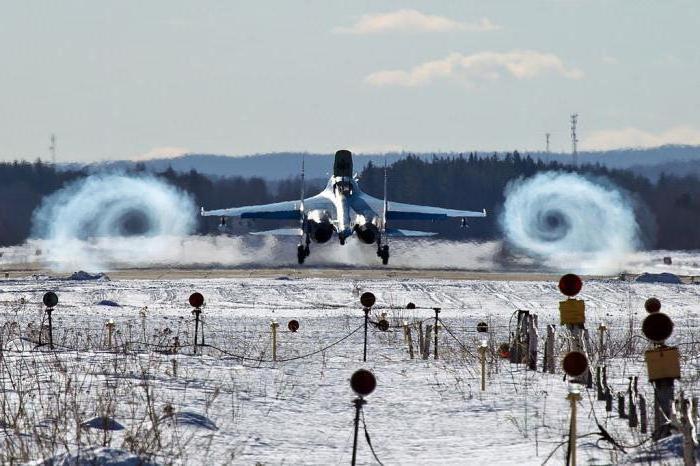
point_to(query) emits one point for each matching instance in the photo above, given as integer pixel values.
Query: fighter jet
(342, 209)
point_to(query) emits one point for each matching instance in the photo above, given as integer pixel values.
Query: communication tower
(547, 138)
(574, 140)
(52, 149)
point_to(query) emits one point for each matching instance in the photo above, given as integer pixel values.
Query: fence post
(426, 341)
(273, 327)
(663, 405)
(602, 350)
(408, 338)
(633, 421)
(532, 340)
(110, 330)
(435, 329)
(643, 420)
(549, 352)
(621, 406)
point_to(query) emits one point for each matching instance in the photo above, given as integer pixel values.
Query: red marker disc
(196, 299)
(570, 284)
(652, 305)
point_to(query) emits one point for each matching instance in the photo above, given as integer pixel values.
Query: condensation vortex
(553, 214)
(124, 214)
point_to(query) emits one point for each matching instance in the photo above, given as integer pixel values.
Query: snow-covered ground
(219, 408)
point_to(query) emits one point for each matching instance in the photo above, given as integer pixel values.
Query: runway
(349, 273)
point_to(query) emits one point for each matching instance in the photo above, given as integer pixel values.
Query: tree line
(667, 210)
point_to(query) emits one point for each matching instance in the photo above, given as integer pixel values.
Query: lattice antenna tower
(547, 135)
(574, 139)
(52, 149)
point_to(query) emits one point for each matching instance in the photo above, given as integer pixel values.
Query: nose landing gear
(383, 252)
(303, 251)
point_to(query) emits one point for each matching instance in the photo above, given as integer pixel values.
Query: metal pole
(196, 328)
(482, 350)
(358, 406)
(437, 311)
(573, 398)
(364, 356)
(48, 311)
(274, 325)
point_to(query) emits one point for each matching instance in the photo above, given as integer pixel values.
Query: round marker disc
(652, 305)
(410, 306)
(363, 382)
(383, 325)
(293, 325)
(482, 327)
(196, 299)
(367, 299)
(574, 363)
(570, 284)
(657, 326)
(50, 299)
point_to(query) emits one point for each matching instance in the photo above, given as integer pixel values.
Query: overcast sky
(130, 79)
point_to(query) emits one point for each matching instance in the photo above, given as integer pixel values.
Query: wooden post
(408, 338)
(273, 326)
(421, 339)
(608, 399)
(532, 340)
(549, 350)
(110, 329)
(599, 384)
(690, 439)
(643, 420)
(519, 347)
(682, 420)
(632, 420)
(663, 404)
(602, 341)
(426, 341)
(435, 329)
(621, 406)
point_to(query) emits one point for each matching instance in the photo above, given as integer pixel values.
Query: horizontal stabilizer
(408, 233)
(279, 232)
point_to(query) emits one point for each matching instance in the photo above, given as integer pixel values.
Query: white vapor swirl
(554, 215)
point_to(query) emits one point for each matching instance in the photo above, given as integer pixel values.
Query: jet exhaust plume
(111, 217)
(569, 221)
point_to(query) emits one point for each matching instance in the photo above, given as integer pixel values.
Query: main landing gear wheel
(302, 252)
(384, 254)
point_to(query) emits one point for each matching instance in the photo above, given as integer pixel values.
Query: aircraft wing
(398, 233)
(399, 211)
(288, 210)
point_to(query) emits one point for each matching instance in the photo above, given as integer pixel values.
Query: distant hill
(648, 162)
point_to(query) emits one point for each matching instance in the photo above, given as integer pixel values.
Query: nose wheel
(303, 252)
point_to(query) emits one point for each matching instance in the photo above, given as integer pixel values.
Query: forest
(667, 210)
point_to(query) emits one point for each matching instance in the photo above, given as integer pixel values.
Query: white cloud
(412, 21)
(634, 137)
(161, 153)
(520, 64)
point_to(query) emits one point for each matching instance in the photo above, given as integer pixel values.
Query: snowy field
(232, 405)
